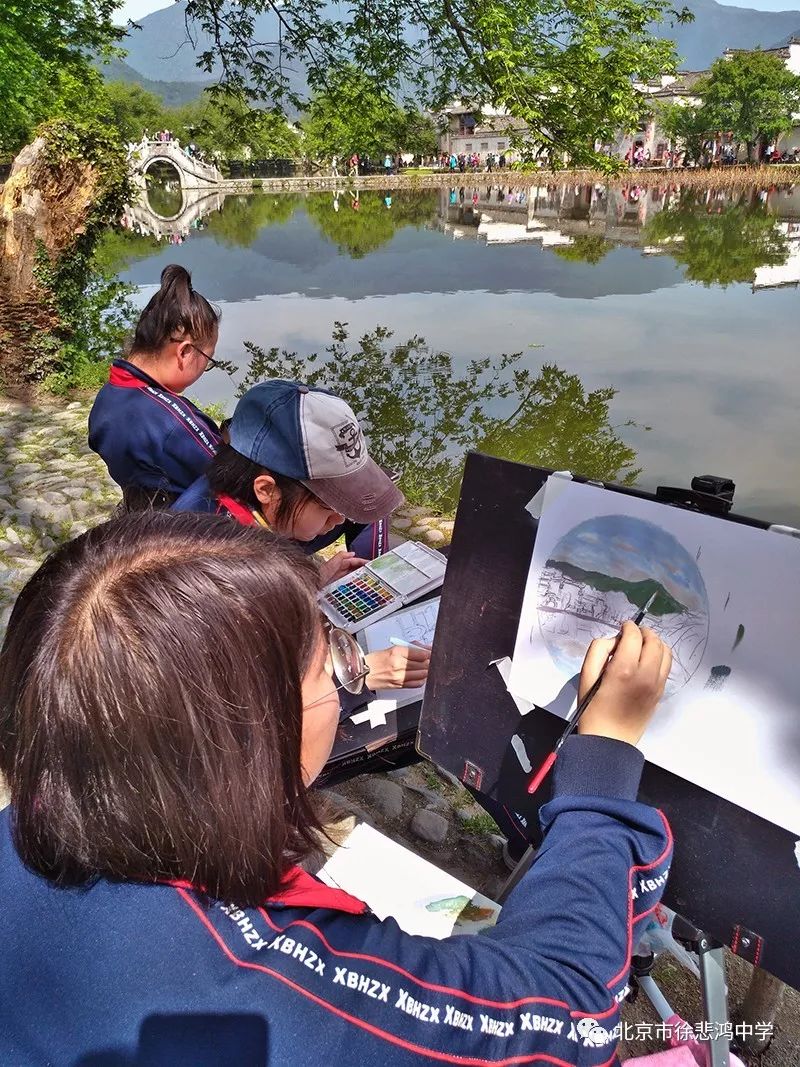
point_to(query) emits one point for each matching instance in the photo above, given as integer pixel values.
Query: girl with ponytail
(153, 440)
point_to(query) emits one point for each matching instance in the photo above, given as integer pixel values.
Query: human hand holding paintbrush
(621, 682)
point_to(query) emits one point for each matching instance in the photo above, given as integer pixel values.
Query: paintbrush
(572, 722)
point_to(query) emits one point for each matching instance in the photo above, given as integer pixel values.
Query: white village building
(489, 130)
(679, 89)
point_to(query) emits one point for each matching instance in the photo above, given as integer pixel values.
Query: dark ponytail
(175, 311)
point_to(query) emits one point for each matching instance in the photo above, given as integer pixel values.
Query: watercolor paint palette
(383, 585)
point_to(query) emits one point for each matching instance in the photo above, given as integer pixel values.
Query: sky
(139, 8)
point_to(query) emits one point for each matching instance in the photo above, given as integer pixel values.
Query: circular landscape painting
(602, 572)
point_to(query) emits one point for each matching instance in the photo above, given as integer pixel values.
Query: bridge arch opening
(165, 195)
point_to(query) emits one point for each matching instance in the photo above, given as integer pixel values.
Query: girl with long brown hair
(165, 702)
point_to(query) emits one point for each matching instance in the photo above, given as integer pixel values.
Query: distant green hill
(637, 592)
(172, 93)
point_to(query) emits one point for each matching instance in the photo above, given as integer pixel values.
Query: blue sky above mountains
(135, 9)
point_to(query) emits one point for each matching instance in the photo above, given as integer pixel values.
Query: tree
(718, 249)
(753, 95)
(422, 414)
(685, 124)
(419, 133)
(133, 110)
(225, 122)
(351, 115)
(44, 46)
(566, 69)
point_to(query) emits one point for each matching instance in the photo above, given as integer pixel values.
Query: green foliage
(686, 125)
(132, 110)
(240, 220)
(752, 95)
(718, 249)
(94, 316)
(585, 248)
(638, 593)
(44, 49)
(92, 310)
(362, 225)
(419, 133)
(479, 824)
(566, 68)
(422, 412)
(90, 142)
(217, 411)
(225, 123)
(351, 115)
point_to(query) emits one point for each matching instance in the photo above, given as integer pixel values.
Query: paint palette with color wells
(383, 585)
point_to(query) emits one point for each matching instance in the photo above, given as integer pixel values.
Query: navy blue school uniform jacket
(127, 973)
(147, 436)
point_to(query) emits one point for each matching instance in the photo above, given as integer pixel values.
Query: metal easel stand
(714, 990)
(716, 1031)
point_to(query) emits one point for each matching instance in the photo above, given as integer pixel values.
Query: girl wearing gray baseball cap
(297, 463)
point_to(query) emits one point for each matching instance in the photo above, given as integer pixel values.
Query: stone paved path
(52, 488)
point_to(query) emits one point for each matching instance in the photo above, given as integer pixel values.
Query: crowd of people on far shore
(713, 154)
(190, 149)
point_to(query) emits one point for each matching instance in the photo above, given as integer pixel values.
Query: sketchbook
(417, 623)
(727, 598)
(395, 882)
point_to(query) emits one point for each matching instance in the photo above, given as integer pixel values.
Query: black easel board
(734, 875)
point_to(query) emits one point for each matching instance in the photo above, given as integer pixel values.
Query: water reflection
(361, 222)
(423, 414)
(718, 236)
(606, 284)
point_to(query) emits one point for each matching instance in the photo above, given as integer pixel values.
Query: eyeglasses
(347, 660)
(211, 361)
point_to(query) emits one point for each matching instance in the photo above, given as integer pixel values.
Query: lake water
(686, 306)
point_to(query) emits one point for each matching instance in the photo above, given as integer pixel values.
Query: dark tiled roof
(782, 51)
(685, 81)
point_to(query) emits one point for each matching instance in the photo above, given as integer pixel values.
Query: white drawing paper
(728, 600)
(417, 623)
(396, 882)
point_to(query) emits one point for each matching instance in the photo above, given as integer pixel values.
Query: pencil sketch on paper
(601, 572)
(418, 623)
(597, 558)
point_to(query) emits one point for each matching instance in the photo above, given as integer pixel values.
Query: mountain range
(638, 593)
(161, 52)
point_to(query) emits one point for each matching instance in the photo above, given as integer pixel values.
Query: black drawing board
(735, 875)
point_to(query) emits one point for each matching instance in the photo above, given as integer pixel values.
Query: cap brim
(365, 496)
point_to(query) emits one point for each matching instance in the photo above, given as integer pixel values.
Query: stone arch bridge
(192, 172)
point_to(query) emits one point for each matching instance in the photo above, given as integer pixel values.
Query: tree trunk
(44, 206)
(760, 1005)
